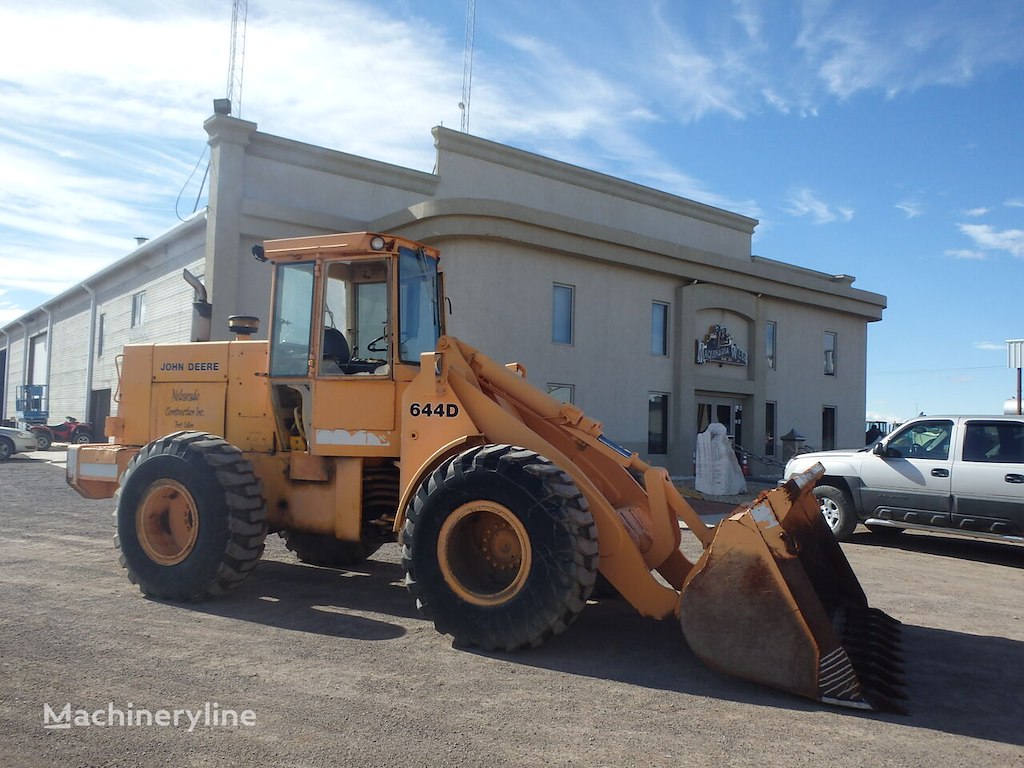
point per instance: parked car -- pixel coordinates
(13, 440)
(957, 474)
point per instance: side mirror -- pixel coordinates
(879, 450)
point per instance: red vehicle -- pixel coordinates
(71, 431)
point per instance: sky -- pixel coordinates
(883, 140)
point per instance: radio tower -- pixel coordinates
(467, 64)
(236, 60)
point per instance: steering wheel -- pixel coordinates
(372, 346)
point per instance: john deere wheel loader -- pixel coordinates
(359, 420)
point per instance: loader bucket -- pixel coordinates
(774, 600)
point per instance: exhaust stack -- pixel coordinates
(202, 310)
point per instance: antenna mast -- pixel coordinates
(236, 60)
(467, 64)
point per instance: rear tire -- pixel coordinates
(326, 550)
(191, 518)
(500, 549)
(837, 509)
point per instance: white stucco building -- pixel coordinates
(646, 309)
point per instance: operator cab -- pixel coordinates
(357, 308)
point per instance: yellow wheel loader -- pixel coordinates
(359, 421)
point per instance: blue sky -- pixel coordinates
(881, 140)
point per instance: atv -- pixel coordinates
(71, 431)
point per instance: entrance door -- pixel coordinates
(726, 411)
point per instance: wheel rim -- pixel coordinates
(830, 511)
(167, 522)
(484, 552)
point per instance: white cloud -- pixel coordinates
(910, 208)
(965, 254)
(1016, 202)
(988, 238)
(895, 47)
(805, 202)
(990, 346)
(976, 212)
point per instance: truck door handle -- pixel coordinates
(940, 473)
(1014, 479)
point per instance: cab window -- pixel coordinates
(355, 321)
(293, 316)
(419, 305)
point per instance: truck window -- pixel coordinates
(922, 440)
(996, 442)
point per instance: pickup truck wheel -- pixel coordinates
(837, 509)
(500, 549)
(191, 518)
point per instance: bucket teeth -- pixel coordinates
(871, 641)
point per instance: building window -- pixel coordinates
(830, 353)
(659, 329)
(99, 335)
(769, 429)
(562, 314)
(563, 393)
(138, 309)
(769, 344)
(828, 428)
(657, 423)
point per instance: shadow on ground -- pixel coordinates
(957, 683)
(962, 548)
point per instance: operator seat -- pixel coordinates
(335, 352)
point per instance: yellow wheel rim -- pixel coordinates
(167, 522)
(484, 553)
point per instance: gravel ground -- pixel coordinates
(338, 669)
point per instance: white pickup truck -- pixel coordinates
(953, 474)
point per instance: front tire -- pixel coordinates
(500, 549)
(6, 449)
(837, 509)
(191, 518)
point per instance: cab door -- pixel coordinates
(988, 481)
(909, 475)
(354, 391)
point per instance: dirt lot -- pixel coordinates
(338, 669)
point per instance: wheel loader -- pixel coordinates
(359, 421)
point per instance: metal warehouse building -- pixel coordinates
(644, 308)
